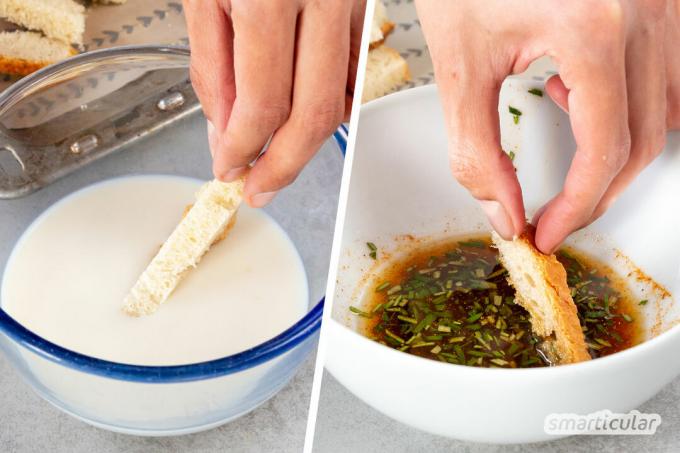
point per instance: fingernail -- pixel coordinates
(499, 218)
(234, 174)
(262, 199)
(212, 138)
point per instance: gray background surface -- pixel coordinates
(345, 423)
(29, 424)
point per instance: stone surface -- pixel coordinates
(345, 423)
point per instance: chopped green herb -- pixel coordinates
(358, 311)
(456, 306)
(407, 319)
(382, 286)
(603, 342)
(472, 243)
(536, 92)
(393, 290)
(393, 336)
(474, 317)
(373, 250)
(514, 111)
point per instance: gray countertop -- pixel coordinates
(29, 424)
(345, 423)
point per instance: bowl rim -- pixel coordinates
(15, 91)
(399, 98)
(274, 347)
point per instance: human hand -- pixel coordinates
(279, 69)
(617, 62)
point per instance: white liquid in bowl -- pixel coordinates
(68, 275)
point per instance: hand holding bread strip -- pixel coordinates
(612, 81)
(274, 72)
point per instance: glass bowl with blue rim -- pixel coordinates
(131, 110)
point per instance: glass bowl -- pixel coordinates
(145, 400)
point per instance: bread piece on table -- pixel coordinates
(386, 70)
(381, 26)
(541, 285)
(23, 52)
(204, 224)
(63, 20)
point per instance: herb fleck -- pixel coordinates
(373, 250)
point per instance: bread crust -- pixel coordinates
(385, 28)
(18, 66)
(564, 342)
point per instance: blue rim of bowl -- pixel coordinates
(285, 341)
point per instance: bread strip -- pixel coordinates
(204, 224)
(381, 26)
(386, 70)
(541, 285)
(63, 20)
(23, 52)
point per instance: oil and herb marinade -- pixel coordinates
(452, 302)
(608, 314)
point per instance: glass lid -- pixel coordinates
(72, 113)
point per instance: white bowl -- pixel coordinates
(401, 184)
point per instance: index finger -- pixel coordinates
(264, 49)
(212, 74)
(469, 84)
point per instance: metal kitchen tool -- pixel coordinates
(72, 113)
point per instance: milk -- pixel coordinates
(68, 275)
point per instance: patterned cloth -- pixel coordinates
(407, 39)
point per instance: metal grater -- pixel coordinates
(70, 114)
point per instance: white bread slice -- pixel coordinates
(541, 285)
(204, 224)
(381, 26)
(386, 70)
(63, 20)
(23, 52)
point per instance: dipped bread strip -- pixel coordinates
(540, 282)
(205, 223)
